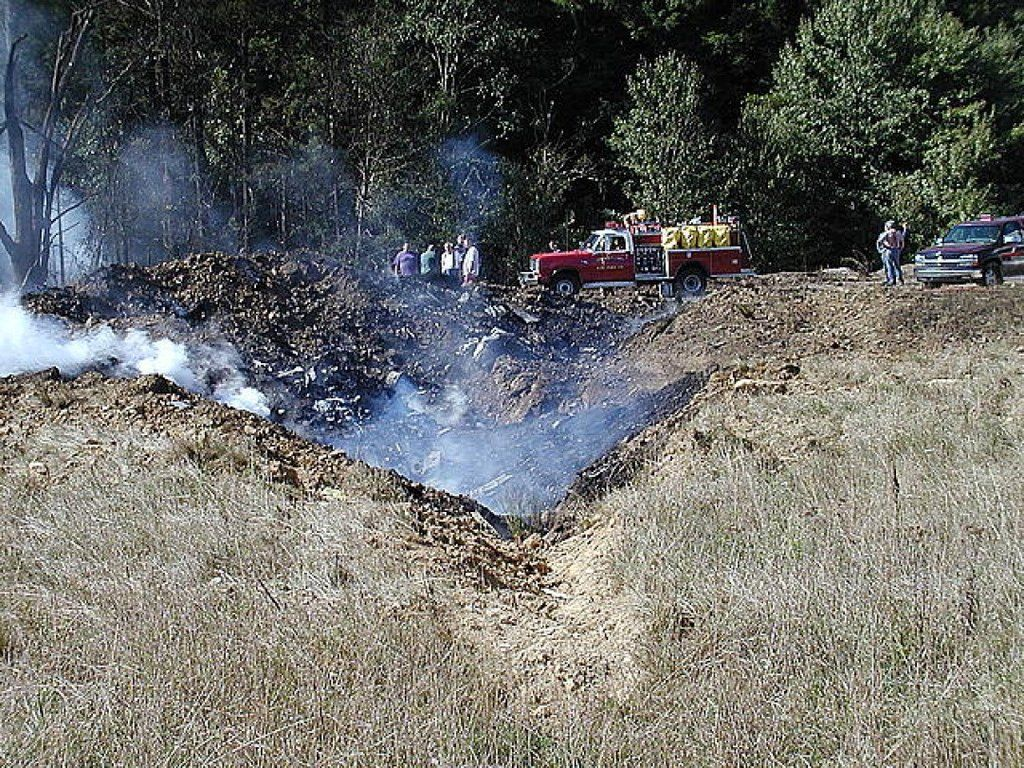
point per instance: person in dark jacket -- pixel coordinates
(460, 257)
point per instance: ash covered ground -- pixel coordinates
(494, 393)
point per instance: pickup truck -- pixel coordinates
(679, 260)
(983, 250)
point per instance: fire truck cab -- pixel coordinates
(679, 260)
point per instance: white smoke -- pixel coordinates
(30, 343)
(434, 436)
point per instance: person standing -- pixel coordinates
(450, 268)
(890, 245)
(428, 263)
(903, 249)
(406, 263)
(460, 257)
(470, 262)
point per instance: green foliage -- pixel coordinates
(664, 142)
(469, 46)
(876, 111)
(534, 210)
(331, 125)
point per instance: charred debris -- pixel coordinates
(498, 394)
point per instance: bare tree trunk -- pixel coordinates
(283, 220)
(33, 198)
(7, 26)
(60, 240)
(247, 142)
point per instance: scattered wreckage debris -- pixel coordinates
(408, 375)
(328, 339)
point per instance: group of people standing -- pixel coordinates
(459, 263)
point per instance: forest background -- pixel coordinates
(348, 127)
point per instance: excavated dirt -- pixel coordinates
(327, 340)
(456, 532)
(500, 394)
(311, 332)
(470, 391)
(786, 317)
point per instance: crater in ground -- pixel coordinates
(497, 394)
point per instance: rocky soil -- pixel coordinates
(412, 375)
(331, 346)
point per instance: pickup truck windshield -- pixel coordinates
(592, 242)
(972, 233)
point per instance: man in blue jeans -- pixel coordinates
(890, 246)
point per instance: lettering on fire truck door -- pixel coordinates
(615, 260)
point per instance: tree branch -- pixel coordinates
(6, 239)
(71, 209)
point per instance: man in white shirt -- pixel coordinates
(470, 262)
(890, 246)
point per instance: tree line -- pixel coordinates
(348, 127)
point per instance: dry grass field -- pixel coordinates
(156, 612)
(834, 575)
(825, 572)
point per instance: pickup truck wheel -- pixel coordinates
(691, 283)
(565, 285)
(992, 274)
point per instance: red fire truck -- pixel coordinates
(680, 259)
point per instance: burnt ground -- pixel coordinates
(327, 340)
(511, 397)
(470, 391)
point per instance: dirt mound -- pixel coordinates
(787, 317)
(456, 533)
(330, 340)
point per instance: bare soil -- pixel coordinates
(547, 605)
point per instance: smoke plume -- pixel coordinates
(40, 27)
(430, 431)
(29, 343)
(520, 468)
(474, 180)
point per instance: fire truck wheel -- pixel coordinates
(565, 285)
(691, 283)
(992, 273)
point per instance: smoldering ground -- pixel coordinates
(30, 343)
(495, 393)
(433, 431)
(514, 469)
